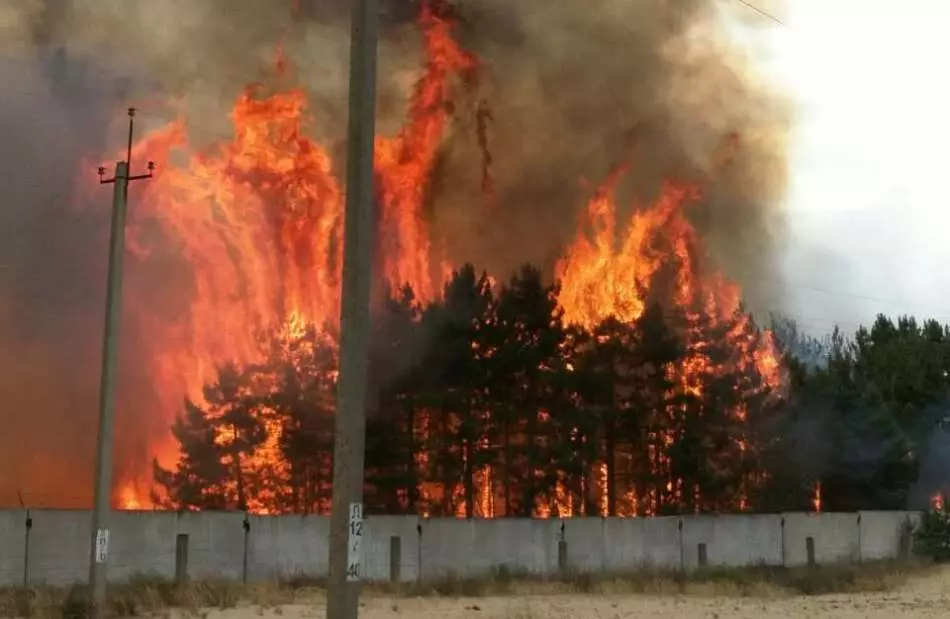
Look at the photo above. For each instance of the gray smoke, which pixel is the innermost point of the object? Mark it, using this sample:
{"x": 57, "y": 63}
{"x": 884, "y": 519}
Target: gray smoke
{"x": 577, "y": 87}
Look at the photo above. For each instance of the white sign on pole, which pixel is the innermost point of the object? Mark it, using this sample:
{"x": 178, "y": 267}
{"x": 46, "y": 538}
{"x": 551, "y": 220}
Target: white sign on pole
{"x": 354, "y": 550}
{"x": 102, "y": 545}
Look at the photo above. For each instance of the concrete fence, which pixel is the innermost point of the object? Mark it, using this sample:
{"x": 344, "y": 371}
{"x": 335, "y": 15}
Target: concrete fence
{"x": 52, "y": 546}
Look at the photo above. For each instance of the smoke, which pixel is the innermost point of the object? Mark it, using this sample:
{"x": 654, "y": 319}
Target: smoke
{"x": 577, "y": 87}
{"x": 573, "y": 88}
{"x": 862, "y": 453}
{"x": 51, "y": 274}
{"x": 934, "y": 470}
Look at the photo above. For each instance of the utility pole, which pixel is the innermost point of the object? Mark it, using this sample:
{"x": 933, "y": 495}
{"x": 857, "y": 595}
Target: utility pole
{"x": 346, "y": 518}
{"x": 102, "y": 507}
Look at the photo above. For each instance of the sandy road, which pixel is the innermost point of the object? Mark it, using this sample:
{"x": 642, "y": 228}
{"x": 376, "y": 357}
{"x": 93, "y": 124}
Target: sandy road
{"x": 929, "y": 597}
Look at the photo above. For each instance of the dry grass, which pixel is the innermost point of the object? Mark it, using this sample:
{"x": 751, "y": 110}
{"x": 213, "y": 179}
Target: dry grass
{"x": 147, "y": 596}
{"x": 741, "y": 582}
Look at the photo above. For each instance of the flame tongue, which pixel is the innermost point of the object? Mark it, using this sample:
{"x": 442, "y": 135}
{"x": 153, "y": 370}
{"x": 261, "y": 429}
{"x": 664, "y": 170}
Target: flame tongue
{"x": 608, "y": 273}
{"x": 405, "y": 162}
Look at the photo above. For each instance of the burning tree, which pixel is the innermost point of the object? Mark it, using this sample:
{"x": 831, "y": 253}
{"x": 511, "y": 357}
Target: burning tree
{"x": 499, "y": 408}
{"x": 631, "y": 386}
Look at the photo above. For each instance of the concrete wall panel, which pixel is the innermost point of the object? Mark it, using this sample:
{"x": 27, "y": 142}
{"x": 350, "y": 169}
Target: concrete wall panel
{"x": 835, "y": 538}
{"x": 473, "y": 547}
{"x": 142, "y": 543}
{"x": 377, "y": 545}
{"x": 12, "y": 539}
{"x": 641, "y": 543}
{"x": 524, "y": 545}
{"x": 60, "y": 546}
{"x": 215, "y": 543}
{"x": 585, "y": 539}
{"x": 735, "y": 541}
{"x": 447, "y": 547}
{"x": 287, "y": 546}
{"x": 881, "y": 533}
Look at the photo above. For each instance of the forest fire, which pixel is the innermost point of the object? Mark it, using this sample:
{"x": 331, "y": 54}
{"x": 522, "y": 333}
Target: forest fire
{"x": 258, "y": 220}
{"x": 610, "y": 274}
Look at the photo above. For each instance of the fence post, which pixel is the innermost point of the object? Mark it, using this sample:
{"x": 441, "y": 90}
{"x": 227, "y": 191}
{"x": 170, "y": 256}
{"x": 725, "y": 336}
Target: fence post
{"x": 905, "y": 547}
{"x": 701, "y": 557}
{"x": 181, "y": 558}
{"x": 247, "y": 535}
{"x": 419, "y": 552}
{"x": 679, "y": 524}
{"x": 860, "y": 539}
{"x": 395, "y": 558}
{"x": 562, "y": 550}
{"x": 784, "y": 541}
{"x": 26, "y": 550}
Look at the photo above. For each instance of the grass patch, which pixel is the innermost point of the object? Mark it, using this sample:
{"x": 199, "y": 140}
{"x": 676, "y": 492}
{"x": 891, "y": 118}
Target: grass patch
{"x": 136, "y": 597}
{"x": 742, "y": 582}
{"x": 149, "y": 596}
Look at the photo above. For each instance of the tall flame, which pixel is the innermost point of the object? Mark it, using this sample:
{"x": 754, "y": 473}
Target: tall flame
{"x": 258, "y": 222}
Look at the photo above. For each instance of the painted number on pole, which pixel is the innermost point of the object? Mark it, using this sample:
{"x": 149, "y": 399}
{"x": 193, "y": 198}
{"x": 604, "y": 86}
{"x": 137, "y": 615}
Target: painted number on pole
{"x": 102, "y": 545}
{"x": 354, "y": 568}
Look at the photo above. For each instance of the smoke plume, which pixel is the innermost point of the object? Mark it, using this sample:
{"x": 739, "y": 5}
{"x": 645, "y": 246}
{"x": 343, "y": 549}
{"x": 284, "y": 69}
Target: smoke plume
{"x": 577, "y": 87}
{"x": 566, "y": 90}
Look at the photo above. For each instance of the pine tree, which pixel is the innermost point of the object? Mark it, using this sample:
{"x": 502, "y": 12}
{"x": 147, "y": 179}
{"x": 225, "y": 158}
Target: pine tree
{"x": 455, "y": 397}
{"x": 233, "y": 405}
{"x": 529, "y": 342}
{"x": 303, "y": 403}
{"x": 199, "y": 478}
{"x": 397, "y": 377}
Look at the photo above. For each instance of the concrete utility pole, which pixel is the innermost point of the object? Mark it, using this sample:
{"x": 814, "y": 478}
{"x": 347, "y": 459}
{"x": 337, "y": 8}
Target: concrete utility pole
{"x": 102, "y": 507}
{"x": 346, "y": 520}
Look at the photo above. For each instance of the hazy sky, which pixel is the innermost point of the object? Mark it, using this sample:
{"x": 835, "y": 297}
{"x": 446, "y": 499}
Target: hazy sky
{"x": 869, "y": 206}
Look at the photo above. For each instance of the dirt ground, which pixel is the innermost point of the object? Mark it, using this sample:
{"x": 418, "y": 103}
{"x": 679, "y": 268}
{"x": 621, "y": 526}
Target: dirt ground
{"x": 924, "y": 597}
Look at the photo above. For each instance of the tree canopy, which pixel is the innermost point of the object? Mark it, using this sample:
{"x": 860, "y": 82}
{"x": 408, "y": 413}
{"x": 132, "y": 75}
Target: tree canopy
{"x": 488, "y": 403}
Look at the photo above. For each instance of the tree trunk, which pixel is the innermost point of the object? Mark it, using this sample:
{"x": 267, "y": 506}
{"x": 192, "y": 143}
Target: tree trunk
{"x": 610, "y": 459}
{"x": 412, "y": 469}
{"x": 239, "y": 480}
{"x": 506, "y": 439}
{"x": 468, "y": 457}
{"x": 529, "y": 491}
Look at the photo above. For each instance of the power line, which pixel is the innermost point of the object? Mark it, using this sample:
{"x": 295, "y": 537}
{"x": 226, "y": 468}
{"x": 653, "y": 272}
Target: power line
{"x": 762, "y": 12}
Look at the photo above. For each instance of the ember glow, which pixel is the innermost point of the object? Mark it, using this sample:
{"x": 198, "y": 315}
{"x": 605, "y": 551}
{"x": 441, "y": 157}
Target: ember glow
{"x": 257, "y": 220}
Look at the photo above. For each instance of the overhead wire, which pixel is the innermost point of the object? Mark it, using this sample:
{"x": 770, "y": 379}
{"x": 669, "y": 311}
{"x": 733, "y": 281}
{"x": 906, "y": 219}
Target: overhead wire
{"x": 762, "y": 12}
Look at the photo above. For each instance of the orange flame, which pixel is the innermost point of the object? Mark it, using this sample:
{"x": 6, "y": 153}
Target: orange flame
{"x": 257, "y": 222}
{"x": 405, "y": 162}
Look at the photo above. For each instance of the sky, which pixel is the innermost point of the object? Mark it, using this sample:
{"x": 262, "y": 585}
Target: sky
{"x": 868, "y": 203}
